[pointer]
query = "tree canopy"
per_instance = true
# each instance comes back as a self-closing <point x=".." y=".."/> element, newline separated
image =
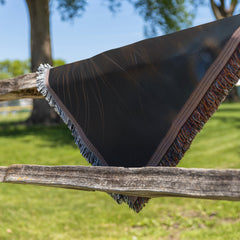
<point x="9" y="69"/>
<point x="13" y="68"/>
<point x="167" y="15"/>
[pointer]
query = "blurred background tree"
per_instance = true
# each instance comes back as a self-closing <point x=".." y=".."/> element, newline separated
<point x="168" y="16"/>
<point x="222" y="9"/>
<point x="9" y="69"/>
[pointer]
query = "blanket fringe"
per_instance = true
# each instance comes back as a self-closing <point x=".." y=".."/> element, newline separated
<point x="86" y="153"/>
<point x="137" y="205"/>
<point x="42" y="88"/>
<point x="217" y="92"/>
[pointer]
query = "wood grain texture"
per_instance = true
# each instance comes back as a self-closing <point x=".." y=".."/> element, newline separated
<point x="24" y="86"/>
<point x="146" y="182"/>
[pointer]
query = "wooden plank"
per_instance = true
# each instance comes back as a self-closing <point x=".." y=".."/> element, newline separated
<point x="146" y="182"/>
<point x="24" y="86"/>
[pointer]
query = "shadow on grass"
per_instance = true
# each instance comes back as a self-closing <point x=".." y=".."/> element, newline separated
<point x="57" y="135"/>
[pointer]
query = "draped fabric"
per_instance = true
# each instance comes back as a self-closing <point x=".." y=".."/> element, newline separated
<point x="142" y="104"/>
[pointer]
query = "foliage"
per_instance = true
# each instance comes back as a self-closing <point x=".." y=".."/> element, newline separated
<point x="71" y="8"/>
<point x="165" y="15"/>
<point x="4" y="75"/>
<point x="168" y="16"/>
<point x="34" y="212"/>
<point x="15" y="68"/>
<point x="58" y="62"/>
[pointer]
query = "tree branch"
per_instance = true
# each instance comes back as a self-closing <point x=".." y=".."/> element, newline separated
<point x="145" y="182"/>
<point x="233" y="6"/>
<point x="223" y="4"/>
<point x="220" y="11"/>
<point x="216" y="10"/>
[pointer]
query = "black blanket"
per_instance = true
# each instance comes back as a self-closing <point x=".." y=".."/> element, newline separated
<point x="142" y="104"/>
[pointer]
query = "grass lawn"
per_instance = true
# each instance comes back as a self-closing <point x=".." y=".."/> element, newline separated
<point x="34" y="212"/>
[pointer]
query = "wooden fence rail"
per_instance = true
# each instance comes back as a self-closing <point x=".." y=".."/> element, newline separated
<point x="24" y="86"/>
<point x="146" y="182"/>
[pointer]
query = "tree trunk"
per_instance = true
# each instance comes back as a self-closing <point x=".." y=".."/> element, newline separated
<point x="220" y="11"/>
<point x="40" y="53"/>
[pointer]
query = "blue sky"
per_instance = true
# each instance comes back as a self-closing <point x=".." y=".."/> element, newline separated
<point x="96" y="31"/>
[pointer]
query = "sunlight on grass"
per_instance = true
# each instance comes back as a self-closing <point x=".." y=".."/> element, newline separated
<point x="33" y="212"/>
<point x="217" y="145"/>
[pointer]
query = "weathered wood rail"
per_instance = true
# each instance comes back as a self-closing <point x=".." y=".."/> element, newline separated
<point x="147" y="182"/>
<point x="24" y="86"/>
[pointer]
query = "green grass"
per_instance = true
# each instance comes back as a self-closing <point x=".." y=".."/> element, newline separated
<point x="34" y="212"/>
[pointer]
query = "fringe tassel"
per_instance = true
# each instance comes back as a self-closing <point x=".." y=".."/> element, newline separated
<point x="90" y="156"/>
<point x="137" y="206"/>
<point x="41" y="87"/>
<point x="217" y="92"/>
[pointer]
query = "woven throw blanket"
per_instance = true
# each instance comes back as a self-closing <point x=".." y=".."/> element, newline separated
<point x="142" y="104"/>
